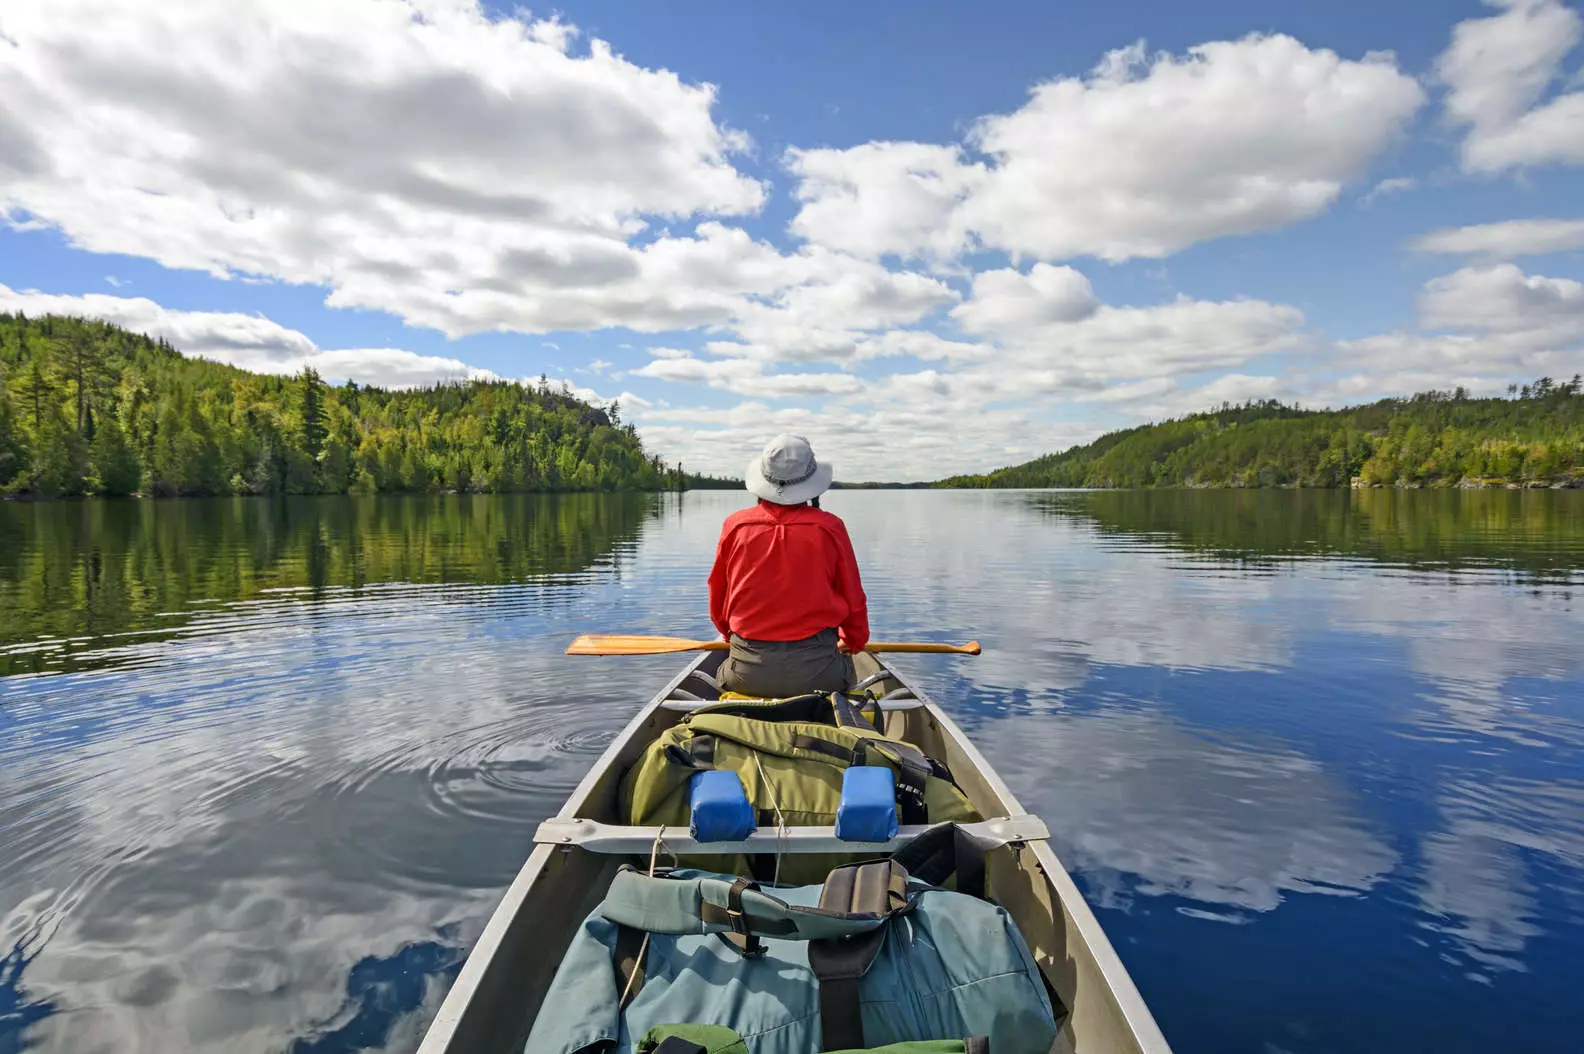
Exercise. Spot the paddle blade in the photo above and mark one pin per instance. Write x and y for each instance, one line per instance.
(618, 644)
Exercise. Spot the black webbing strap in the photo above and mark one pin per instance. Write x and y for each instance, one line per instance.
(839, 964)
(913, 768)
(718, 916)
(971, 1045)
(627, 957)
(742, 936)
(937, 854)
(696, 753)
(848, 715)
(823, 746)
(678, 1045)
(877, 889)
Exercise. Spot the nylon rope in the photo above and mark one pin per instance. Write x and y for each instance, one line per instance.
(780, 820)
(643, 945)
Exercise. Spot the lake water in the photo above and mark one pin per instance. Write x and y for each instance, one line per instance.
(1316, 759)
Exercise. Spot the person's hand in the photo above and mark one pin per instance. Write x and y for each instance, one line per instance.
(842, 647)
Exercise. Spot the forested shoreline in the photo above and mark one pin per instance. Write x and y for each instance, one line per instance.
(88, 408)
(1534, 437)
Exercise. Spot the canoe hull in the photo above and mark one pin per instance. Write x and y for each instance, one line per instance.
(497, 995)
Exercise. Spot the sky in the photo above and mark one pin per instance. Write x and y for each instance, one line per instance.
(932, 238)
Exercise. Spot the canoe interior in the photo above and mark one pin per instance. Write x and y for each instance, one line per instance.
(497, 996)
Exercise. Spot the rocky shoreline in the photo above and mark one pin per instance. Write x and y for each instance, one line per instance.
(1478, 483)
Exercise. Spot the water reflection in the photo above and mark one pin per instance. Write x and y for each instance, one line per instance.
(1478, 887)
(265, 769)
(1146, 806)
(263, 818)
(1539, 533)
(76, 570)
(381, 993)
(18, 1011)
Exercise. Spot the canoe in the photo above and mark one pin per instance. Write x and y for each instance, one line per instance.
(496, 996)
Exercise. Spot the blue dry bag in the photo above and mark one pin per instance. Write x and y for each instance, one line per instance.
(867, 812)
(720, 809)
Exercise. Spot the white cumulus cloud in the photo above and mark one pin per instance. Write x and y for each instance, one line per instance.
(1506, 239)
(1498, 70)
(1143, 157)
(1480, 327)
(462, 171)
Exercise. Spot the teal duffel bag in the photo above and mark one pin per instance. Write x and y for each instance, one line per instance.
(872, 957)
(713, 1039)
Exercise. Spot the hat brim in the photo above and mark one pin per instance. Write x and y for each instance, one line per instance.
(793, 494)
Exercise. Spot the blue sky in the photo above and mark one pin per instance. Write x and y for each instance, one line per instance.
(932, 237)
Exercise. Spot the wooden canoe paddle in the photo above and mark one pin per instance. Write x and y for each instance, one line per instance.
(617, 644)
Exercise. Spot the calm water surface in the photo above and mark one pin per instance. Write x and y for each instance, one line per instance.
(1317, 760)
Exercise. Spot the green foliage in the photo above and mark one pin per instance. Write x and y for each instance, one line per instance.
(1534, 438)
(86, 407)
(13, 447)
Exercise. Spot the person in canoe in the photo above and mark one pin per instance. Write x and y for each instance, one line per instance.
(785, 590)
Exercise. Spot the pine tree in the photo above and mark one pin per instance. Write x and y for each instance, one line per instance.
(35, 391)
(82, 365)
(313, 411)
(59, 458)
(114, 462)
(13, 447)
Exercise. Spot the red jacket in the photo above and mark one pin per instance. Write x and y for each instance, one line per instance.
(785, 572)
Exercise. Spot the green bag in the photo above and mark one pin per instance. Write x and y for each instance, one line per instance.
(716, 1039)
(790, 755)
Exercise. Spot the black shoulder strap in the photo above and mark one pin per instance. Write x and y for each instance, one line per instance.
(695, 753)
(878, 888)
(678, 1045)
(971, 1045)
(914, 767)
(839, 964)
(941, 852)
(628, 959)
(848, 715)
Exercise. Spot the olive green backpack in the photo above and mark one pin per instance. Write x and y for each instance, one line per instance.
(790, 755)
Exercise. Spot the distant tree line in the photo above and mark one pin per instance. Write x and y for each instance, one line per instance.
(1533, 437)
(90, 408)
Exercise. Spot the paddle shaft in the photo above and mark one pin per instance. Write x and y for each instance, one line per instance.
(617, 644)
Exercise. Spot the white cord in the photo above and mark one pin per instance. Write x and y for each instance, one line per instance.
(780, 820)
(643, 945)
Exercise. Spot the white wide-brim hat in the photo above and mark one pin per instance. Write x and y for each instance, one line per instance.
(787, 472)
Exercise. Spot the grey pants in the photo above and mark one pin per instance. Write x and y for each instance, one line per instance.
(778, 669)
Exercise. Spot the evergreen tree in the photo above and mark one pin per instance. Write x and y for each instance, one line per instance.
(59, 458)
(114, 463)
(13, 448)
(313, 411)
